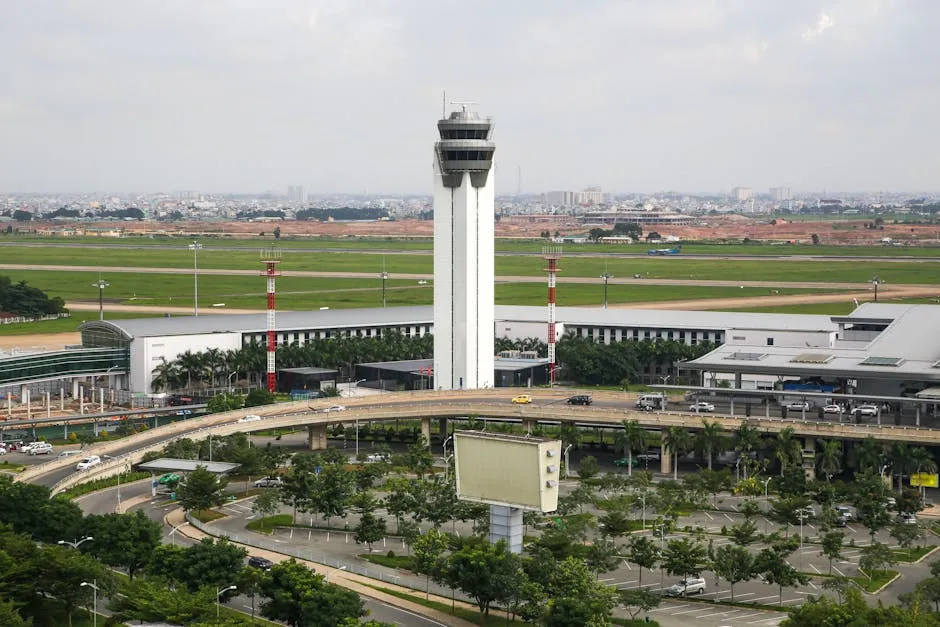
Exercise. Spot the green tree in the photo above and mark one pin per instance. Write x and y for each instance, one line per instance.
(265, 504)
(615, 523)
(831, 543)
(331, 491)
(588, 468)
(428, 552)
(210, 563)
(744, 533)
(575, 598)
(150, 600)
(733, 564)
(787, 449)
(684, 557)
(224, 402)
(772, 565)
(875, 556)
(636, 600)
(487, 573)
(905, 534)
(201, 490)
(679, 442)
(61, 573)
(126, 540)
(601, 556)
(829, 458)
(632, 438)
(746, 440)
(370, 529)
(249, 584)
(301, 598)
(418, 458)
(710, 440)
(259, 396)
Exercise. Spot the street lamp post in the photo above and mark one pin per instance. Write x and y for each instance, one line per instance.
(100, 284)
(174, 530)
(876, 281)
(607, 276)
(218, 598)
(567, 461)
(195, 247)
(76, 543)
(231, 390)
(326, 579)
(384, 277)
(447, 466)
(94, 614)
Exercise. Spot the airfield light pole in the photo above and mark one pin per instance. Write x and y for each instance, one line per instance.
(100, 284)
(195, 247)
(876, 281)
(384, 277)
(607, 276)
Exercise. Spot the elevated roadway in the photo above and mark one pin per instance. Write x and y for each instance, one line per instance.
(610, 410)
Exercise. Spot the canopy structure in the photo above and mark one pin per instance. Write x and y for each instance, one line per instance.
(168, 464)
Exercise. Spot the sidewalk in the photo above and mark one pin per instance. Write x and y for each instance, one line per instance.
(351, 581)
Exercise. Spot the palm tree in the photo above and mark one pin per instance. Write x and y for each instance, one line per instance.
(869, 455)
(679, 441)
(165, 376)
(746, 440)
(193, 366)
(709, 440)
(632, 438)
(787, 448)
(829, 457)
(900, 457)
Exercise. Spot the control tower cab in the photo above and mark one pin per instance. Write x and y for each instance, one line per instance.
(465, 146)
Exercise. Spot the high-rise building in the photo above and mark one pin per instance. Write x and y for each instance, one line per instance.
(779, 194)
(742, 194)
(295, 193)
(464, 202)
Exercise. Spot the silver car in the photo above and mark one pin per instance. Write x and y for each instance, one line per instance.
(690, 585)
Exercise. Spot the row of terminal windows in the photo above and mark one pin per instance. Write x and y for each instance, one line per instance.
(610, 334)
(302, 337)
(464, 133)
(468, 155)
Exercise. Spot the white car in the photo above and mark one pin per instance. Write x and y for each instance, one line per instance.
(843, 511)
(691, 585)
(26, 448)
(269, 482)
(701, 406)
(907, 519)
(866, 410)
(798, 406)
(335, 408)
(41, 448)
(250, 418)
(832, 409)
(88, 462)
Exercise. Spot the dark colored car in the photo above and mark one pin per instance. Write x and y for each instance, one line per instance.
(260, 562)
(580, 399)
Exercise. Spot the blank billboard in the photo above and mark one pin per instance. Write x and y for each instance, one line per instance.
(499, 469)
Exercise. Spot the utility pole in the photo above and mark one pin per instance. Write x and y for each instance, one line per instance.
(195, 246)
(101, 284)
(607, 276)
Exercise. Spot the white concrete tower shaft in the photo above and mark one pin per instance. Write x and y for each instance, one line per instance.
(464, 208)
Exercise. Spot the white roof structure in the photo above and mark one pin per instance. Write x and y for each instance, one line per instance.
(908, 348)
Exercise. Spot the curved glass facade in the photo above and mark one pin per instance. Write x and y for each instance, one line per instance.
(63, 364)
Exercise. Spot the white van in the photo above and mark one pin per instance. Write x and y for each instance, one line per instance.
(651, 401)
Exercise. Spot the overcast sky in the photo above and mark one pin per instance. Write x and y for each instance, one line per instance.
(342, 95)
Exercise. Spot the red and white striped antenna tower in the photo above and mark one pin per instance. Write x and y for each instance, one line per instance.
(270, 257)
(551, 254)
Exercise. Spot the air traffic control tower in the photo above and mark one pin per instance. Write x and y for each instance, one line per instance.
(464, 205)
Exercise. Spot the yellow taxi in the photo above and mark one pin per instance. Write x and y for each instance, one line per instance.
(522, 399)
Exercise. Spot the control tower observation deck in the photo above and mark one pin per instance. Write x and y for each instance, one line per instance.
(464, 206)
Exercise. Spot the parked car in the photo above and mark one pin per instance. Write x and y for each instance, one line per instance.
(806, 512)
(841, 521)
(260, 562)
(375, 458)
(522, 399)
(88, 462)
(269, 482)
(701, 406)
(580, 399)
(843, 511)
(41, 448)
(832, 409)
(26, 448)
(866, 410)
(170, 477)
(685, 587)
(624, 462)
(250, 418)
(649, 456)
(798, 406)
(907, 519)
(891, 503)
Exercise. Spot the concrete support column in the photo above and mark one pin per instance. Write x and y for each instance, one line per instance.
(737, 380)
(316, 437)
(665, 461)
(809, 457)
(74, 388)
(24, 393)
(442, 428)
(529, 425)
(426, 429)
(917, 415)
(506, 524)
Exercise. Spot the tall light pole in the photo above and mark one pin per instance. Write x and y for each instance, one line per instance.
(876, 281)
(567, 461)
(384, 277)
(195, 246)
(100, 284)
(327, 578)
(607, 276)
(218, 598)
(76, 543)
(94, 613)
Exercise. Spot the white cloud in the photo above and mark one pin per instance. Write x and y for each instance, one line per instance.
(823, 23)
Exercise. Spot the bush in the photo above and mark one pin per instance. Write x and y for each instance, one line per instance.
(390, 554)
(259, 397)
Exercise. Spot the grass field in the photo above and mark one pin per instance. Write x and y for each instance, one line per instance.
(503, 245)
(669, 268)
(831, 309)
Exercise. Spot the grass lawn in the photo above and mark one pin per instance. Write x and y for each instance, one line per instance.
(878, 579)
(496, 618)
(403, 562)
(268, 523)
(5, 465)
(62, 325)
(207, 515)
(673, 268)
(108, 482)
(912, 554)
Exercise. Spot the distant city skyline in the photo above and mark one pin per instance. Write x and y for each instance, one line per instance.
(336, 96)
